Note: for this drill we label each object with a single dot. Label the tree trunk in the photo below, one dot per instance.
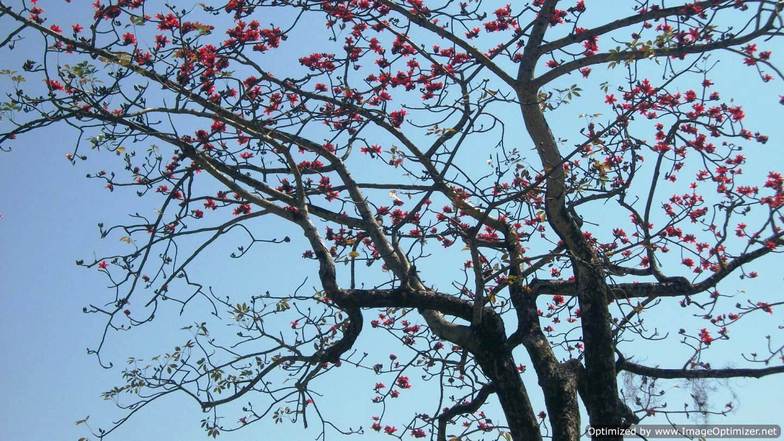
(499, 366)
(600, 391)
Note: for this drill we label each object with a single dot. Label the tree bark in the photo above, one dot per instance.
(499, 366)
(600, 394)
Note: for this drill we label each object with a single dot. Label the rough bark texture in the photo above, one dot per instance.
(601, 392)
(499, 366)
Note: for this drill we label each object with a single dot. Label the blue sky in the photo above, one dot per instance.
(49, 213)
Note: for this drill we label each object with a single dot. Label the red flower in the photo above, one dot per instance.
(397, 117)
(218, 126)
(55, 85)
(168, 21)
(160, 41)
(765, 307)
(473, 33)
(402, 382)
(242, 209)
(736, 113)
(418, 433)
(102, 265)
(705, 336)
(128, 38)
(373, 149)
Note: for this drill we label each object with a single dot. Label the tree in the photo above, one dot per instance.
(396, 150)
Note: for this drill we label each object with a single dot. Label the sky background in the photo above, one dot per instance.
(48, 218)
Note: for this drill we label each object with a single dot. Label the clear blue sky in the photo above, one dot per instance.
(49, 213)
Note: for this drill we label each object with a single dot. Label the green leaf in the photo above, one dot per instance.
(282, 305)
(240, 310)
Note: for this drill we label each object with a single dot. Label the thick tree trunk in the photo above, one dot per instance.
(600, 388)
(557, 380)
(559, 385)
(601, 385)
(499, 366)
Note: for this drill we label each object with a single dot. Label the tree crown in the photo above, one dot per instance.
(410, 156)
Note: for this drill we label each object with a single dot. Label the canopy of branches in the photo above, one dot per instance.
(437, 173)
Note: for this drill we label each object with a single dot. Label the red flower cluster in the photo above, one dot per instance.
(397, 117)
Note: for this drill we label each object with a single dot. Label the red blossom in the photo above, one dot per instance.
(242, 209)
(705, 336)
(397, 117)
(55, 85)
(418, 433)
(128, 38)
(765, 307)
(403, 382)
